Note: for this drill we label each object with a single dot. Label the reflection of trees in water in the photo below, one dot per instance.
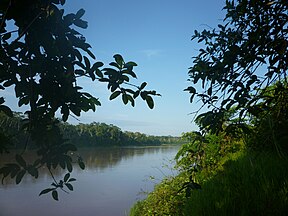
(102, 158)
(94, 158)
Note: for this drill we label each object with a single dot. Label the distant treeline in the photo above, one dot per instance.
(82, 135)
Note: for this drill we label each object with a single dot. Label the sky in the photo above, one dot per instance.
(156, 34)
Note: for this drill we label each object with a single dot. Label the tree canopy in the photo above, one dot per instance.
(42, 55)
(239, 61)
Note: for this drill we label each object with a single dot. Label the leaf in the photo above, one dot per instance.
(33, 171)
(46, 191)
(71, 180)
(55, 195)
(20, 176)
(79, 72)
(76, 110)
(136, 94)
(125, 78)
(6, 110)
(79, 13)
(8, 83)
(143, 85)
(69, 166)
(87, 63)
(99, 73)
(65, 112)
(124, 98)
(62, 164)
(80, 64)
(111, 72)
(66, 177)
(81, 164)
(81, 23)
(130, 98)
(114, 95)
(97, 65)
(69, 186)
(23, 100)
(114, 65)
(90, 53)
(130, 64)
(150, 102)
(209, 91)
(130, 72)
(20, 160)
(6, 36)
(119, 59)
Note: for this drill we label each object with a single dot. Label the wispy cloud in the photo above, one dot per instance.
(151, 52)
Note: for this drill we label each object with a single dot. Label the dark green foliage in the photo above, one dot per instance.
(198, 161)
(164, 200)
(65, 182)
(205, 152)
(254, 184)
(246, 53)
(41, 58)
(239, 157)
(83, 135)
(270, 120)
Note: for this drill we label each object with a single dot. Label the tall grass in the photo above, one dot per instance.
(251, 184)
(254, 184)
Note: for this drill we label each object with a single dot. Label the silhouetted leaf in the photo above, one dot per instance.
(71, 180)
(79, 13)
(119, 59)
(150, 102)
(69, 166)
(46, 191)
(143, 85)
(81, 164)
(66, 177)
(69, 186)
(87, 63)
(114, 95)
(124, 98)
(6, 110)
(20, 176)
(55, 195)
(81, 23)
(33, 172)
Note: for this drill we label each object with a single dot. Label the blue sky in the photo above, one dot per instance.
(156, 35)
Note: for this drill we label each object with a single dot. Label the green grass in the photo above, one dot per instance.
(164, 200)
(250, 184)
(254, 184)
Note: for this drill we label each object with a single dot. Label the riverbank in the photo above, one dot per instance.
(95, 134)
(243, 183)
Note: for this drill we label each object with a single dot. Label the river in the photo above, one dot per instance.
(114, 179)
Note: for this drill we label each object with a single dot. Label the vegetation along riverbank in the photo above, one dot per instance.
(94, 134)
(237, 163)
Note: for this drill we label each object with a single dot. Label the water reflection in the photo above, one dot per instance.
(100, 159)
(109, 185)
(97, 159)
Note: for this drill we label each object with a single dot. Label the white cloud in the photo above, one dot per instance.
(151, 52)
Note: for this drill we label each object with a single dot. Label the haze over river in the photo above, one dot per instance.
(114, 179)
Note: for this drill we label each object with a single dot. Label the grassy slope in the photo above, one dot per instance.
(253, 184)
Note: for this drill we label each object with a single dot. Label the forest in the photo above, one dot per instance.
(82, 135)
(235, 164)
